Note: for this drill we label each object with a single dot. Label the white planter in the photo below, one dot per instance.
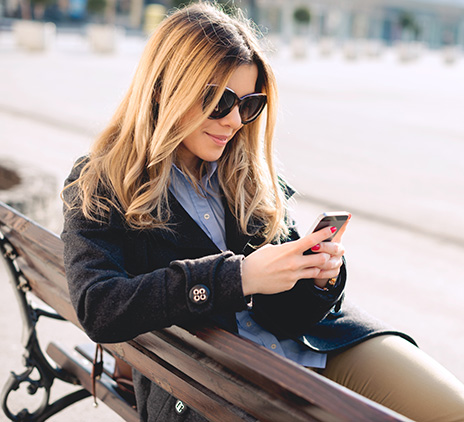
(34, 36)
(351, 50)
(375, 48)
(299, 47)
(326, 46)
(104, 38)
(450, 54)
(409, 51)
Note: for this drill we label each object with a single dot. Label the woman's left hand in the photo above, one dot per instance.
(335, 249)
(331, 268)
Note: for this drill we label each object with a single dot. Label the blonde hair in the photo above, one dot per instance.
(133, 156)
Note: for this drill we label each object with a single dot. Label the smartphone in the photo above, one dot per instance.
(333, 219)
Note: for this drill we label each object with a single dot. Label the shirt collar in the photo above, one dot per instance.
(211, 170)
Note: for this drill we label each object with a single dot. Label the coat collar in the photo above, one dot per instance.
(188, 235)
(236, 241)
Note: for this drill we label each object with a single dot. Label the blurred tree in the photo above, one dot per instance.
(102, 10)
(302, 15)
(406, 20)
(96, 7)
(302, 18)
(179, 3)
(409, 26)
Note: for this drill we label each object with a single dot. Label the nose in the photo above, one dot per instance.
(233, 119)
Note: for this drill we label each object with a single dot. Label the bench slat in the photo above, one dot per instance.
(278, 381)
(266, 369)
(268, 404)
(31, 231)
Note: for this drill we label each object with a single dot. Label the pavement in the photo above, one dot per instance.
(376, 137)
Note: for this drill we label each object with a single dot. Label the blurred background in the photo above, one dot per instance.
(370, 121)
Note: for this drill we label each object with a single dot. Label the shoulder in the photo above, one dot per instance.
(70, 191)
(103, 212)
(76, 170)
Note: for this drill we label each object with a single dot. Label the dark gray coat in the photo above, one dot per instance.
(125, 282)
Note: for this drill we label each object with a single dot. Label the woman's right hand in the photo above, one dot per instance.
(276, 268)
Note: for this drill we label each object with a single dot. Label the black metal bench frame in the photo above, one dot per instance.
(33, 357)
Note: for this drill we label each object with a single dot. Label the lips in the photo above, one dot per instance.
(220, 140)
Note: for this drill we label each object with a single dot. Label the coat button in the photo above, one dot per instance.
(180, 407)
(199, 294)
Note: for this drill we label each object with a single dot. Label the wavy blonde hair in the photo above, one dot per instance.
(133, 156)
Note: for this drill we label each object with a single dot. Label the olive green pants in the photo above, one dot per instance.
(393, 372)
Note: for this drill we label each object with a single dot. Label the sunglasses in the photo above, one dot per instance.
(249, 106)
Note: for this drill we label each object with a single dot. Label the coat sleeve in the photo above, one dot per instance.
(114, 306)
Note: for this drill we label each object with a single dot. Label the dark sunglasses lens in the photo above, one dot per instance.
(209, 95)
(251, 107)
(224, 105)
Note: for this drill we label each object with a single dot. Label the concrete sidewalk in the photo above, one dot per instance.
(52, 105)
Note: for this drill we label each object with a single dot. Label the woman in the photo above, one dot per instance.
(177, 214)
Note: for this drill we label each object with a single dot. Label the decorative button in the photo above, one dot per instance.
(206, 216)
(199, 294)
(180, 407)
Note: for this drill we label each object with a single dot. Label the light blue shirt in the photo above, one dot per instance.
(207, 211)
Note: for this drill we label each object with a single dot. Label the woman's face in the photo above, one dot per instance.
(208, 142)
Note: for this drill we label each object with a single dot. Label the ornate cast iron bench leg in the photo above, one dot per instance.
(39, 374)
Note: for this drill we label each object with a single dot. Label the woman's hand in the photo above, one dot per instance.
(336, 251)
(276, 268)
(332, 267)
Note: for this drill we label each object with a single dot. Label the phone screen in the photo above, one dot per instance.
(333, 219)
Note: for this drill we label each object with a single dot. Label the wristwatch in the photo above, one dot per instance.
(330, 284)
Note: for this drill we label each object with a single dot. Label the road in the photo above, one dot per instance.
(381, 139)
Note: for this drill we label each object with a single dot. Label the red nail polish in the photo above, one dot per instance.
(333, 229)
(316, 248)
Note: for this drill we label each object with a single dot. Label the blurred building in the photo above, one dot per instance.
(435, 23)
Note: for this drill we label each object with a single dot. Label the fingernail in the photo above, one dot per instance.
(333, 229)
(316, 248)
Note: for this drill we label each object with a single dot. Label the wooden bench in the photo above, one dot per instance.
(221, 375)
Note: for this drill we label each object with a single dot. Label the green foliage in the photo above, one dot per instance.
(407, 22)
(302, 15)
(96, 6)
(178, 4)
